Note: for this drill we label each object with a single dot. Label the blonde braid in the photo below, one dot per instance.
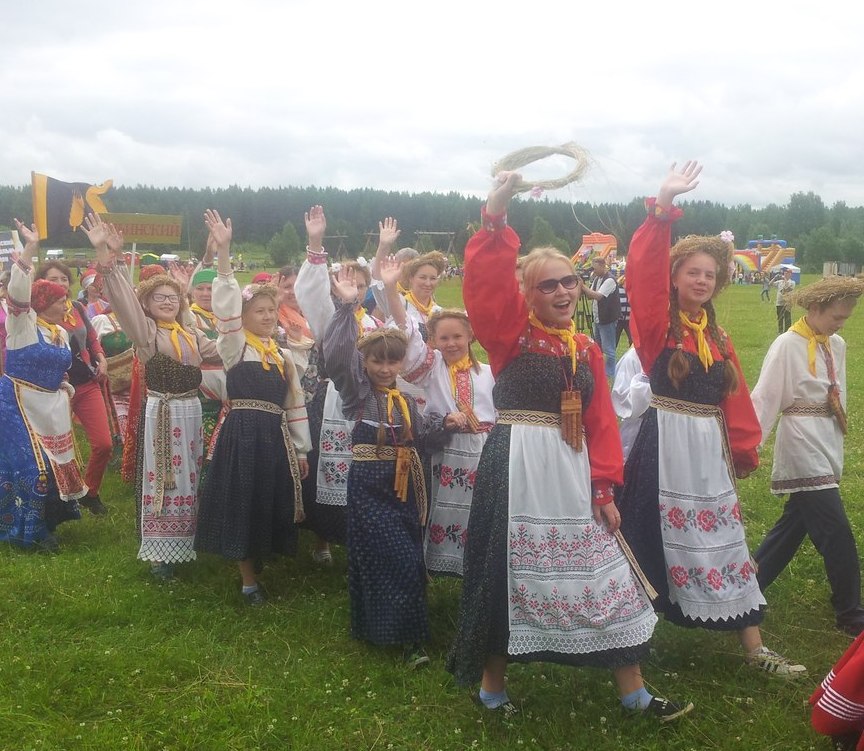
(679, 366)
(730, 374)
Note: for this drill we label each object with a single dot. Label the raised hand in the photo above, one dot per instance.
(180, 274)
(388, 233)
(678, 181)
(97, 232)
(220, 232)
(501, 193)
(389, 270)
(114, 240)
(344, 284)
(31, 241)
(316, 226)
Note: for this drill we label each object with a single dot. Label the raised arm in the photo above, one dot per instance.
(496, 308)
(312, 287)
(21, 322)
(647, 281)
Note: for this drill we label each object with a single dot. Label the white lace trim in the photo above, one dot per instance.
(581, 642)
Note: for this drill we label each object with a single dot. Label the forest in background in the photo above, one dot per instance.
(271, 220)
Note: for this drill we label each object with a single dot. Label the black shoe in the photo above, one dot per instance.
(47, 544)
(255, 599)
(851, 627)
(665, 710)
(93, 503)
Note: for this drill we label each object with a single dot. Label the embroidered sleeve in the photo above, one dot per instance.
(312, 289)
(227, 307)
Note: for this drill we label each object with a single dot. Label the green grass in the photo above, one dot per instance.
(96, 656)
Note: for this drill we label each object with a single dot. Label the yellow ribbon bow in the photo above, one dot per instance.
(698, 329)
(69, 314)
(56, 335)
(567, 336)
(359, 315)
(802, 328)
(208, 314)
(426, 310)
(395, 396)
(269, 352)
(176, 332)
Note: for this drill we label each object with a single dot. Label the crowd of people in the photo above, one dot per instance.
(342, 399)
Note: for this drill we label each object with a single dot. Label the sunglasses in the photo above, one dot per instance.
(159, 297)
(548, 286)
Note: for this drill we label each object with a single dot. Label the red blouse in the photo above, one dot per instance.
(647, 283)
(499, 317)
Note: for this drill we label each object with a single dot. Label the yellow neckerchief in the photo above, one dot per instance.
(268, 352)
(54, 328)
(459, 366)
(402, 290)
(208, 314)
(426, 310)
(394, 395)
(176, 332)
(698, 329)
(802, 328)
(567, 336)
(359, 315)
(68, 314)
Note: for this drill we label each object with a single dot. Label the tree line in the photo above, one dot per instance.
(272, 219)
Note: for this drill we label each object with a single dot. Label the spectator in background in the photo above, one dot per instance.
(603, 291)
(785, 287)
(624, 319)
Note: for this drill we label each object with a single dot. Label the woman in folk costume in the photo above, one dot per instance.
(120, 357)
(386, 491)
(682, 518)
(87, 374)
(458, 388)
(545, 578)
(40, 479)
(251, 498)
(170, 448)
(330, 460)
(420, 277)
(91, 286)
(803, 380)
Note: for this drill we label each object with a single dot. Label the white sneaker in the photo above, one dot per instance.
(774, 664)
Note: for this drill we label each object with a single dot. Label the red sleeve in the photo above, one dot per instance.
(495, 306)
(601, 427)
(647, 283)
(838, 703)
(742, 425)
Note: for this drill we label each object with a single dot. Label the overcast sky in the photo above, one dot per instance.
(425, 96)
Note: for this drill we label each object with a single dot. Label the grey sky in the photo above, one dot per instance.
(426, 96)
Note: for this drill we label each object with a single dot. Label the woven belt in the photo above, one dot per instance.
(164, 473)
(369, 452)
(685, 408)
(529, 417)
(274, 409)
(811, 409)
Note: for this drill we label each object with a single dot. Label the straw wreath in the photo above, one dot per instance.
(520, 158)
(827, 290)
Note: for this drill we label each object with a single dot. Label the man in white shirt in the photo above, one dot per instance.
(603, 291)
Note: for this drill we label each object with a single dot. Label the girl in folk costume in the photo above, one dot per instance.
(251, 498)
(39, 474)
(803, 380)
(170, 446)
(682, 518)
(330, 460)
(544, 575)
(420, 277)
(459, 389)
(386, 491)
(88, 372)
(291, 317)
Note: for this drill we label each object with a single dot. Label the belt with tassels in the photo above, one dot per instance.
(407, 463)
(164, 471)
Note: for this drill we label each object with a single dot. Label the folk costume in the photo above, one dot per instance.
(386, 575)
(40, 477)
(542, 580)
(799, 372)
(251, 498)
(461, 387)
(682, 518)
(120, 357)
(326, 488)
(170, 438)
(838, 702)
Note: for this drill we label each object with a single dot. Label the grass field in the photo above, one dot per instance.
(96, 656)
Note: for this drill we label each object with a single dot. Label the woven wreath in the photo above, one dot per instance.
(520, 158)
